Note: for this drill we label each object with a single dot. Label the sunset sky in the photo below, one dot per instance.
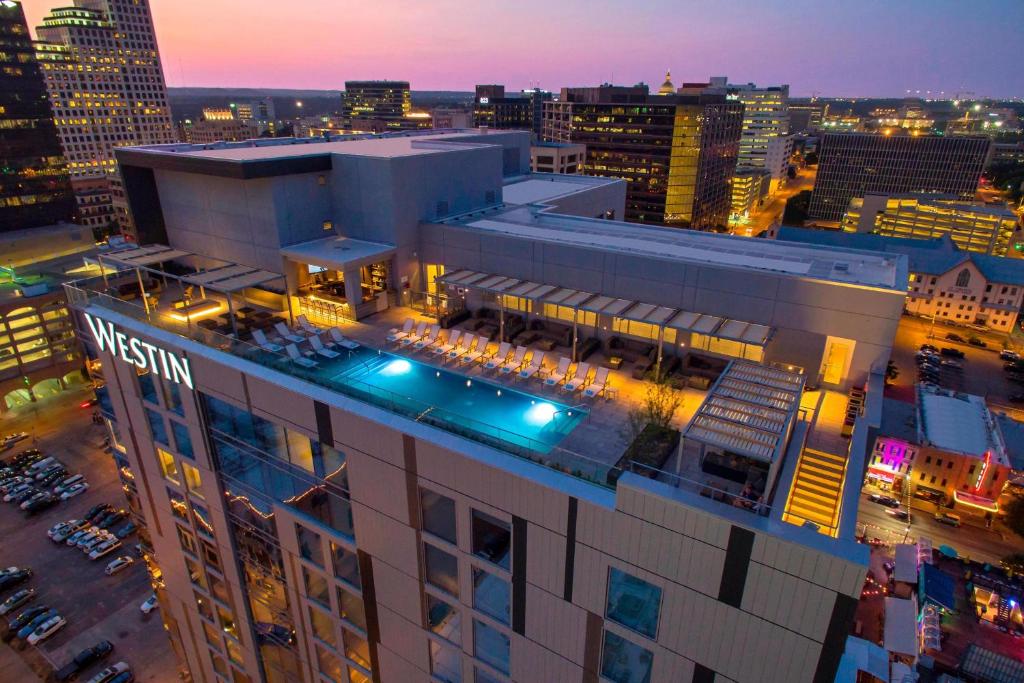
(833, 47)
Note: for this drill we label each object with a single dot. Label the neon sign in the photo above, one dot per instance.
(984, 468)
(141, 354)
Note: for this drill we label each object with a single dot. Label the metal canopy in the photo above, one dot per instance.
(144, 256)
(596, 304)
(212, 275)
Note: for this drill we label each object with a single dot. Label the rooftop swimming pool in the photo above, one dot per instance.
(478, 408)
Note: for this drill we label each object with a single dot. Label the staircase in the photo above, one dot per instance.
(817, 489)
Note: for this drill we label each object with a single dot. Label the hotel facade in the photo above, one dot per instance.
(382, 515)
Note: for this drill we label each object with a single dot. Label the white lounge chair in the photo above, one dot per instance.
(428, 339)
(264, 343)
(536, 363)
(341, 340)
(298, 358)
(558, 375)
(466, 344)
(305, 325)
(320, 349)
(397, 335)
(443, 347)
(284, 333)
(473, 355)
(499, 356)
(510, 366)
(578, 380)
(596, 386)
(413, 336)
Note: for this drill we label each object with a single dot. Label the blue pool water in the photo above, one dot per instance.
(476, 407)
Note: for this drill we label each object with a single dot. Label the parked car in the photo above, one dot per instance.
(12, 483)
(40, 465)
(98, 512)
(16, 491)
(9, 440)
(74, 490)
(150, 604)
(112, 519)
(25, 458)
(31, 626)
(1007, 354)
(947, 518)
(15, 579)
(952, 364)
(52, 478)
(93, 542)
(89, 536)
(951, 352)
(110, 673)
(35, 496)
(123, 677)
(976, 341)
(17, 600)
(74, 538)
(20, 621)
(927, 347)
(40, 504)
(20, 496)
(127, 530)
(120, 564)
(47, 629)
(954, 337)
(84, 659)
(105, 548)
(47, 473)
(881, 499)
(61, 531)
(68, 482)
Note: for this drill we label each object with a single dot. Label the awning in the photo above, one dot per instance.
(230, 278)
(530, 290)
(905, 570)
(143, 256)
(901, 626)
(687, 321)
(938, 587)
(338, 253)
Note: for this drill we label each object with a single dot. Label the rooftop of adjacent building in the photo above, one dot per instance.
(39, 260)
(958, 422)
(943, 202)
(933, 256)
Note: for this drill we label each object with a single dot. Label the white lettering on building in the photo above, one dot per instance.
(141, 354)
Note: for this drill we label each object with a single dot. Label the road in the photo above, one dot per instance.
(771, 211)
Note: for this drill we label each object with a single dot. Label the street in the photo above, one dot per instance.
(771, 211)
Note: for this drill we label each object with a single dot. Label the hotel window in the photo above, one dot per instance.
(491, 646)
(148, 388)
(633, 603)
(330, 666)
(201, 519)
(445, 663)
(323, 626)
(156, 426)
(172, 397)
(167, 466)
(625, 662)
(356, 648)
(182, 440)
(188, 543)
(441, 569)
(310, 545)
(492, 595)
(438, 515)
(178, 507)
(346, 565)
(316, 587)
(492, 539)
(482, 676)
(193, 482)
(350, 606)
(444, 620)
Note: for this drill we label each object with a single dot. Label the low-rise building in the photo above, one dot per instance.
(748, 188)
(557, 157)
(946, 283)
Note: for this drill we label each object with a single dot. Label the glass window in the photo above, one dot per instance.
(442, 569)
(201, 519)
(356, 648)
(491, 645)
(357, 676)
(310, 545)
(316, 587)
(188, 543)
(182, 440)
(219, 665)
(193, 482)
(330, 665)
(633, 603)
(156, 426)
(172, 397)
(195, 574)
(227, 621)
(438, 515)
(492, 539)
(219, 589)
(444, 620)
(346, 565)
(211, 557)
(234, 652)
(625, 662)
(482, 676)
(205, 608)
(178, 507)
(445, 663)
(323, 626)
(491, 594)
(212, 636)
(351, 607)
(167, 466)
(147, 388)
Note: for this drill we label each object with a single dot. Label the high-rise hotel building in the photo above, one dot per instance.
(765, 144)
(677, 153)
(369, 504)
(855, 164)
(106, 84)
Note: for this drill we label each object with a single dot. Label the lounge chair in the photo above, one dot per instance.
(298, 358)
(413, 336)
(499, 356)
(305, 325)
(578, 380)
(284, 333)
(510, 366)
(465, 345)
(596, 386)
(428, 339)
(397, 335)
(341, 340)
(473, 355)
(536, 363)
(442, 348)
(320, 349)
(559, 373)
(264, 343)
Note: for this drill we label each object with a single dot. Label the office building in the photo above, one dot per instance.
(749, 188)
(523, 111)
(806, 117)
(95, 204)
(556, 157)
(973, 226)
(946, 283)
(446, 118)
(379, 106)
(219, 124)
(676, 152)
(303, 525)
(777, 161)
(34, 186)
(765, 118)
(854, 164)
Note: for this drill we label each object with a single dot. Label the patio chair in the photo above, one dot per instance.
(475, 354)
(284, 333)
(596, 386)
(510, 366)
(426, 340)
(320, 349)
(499, 356)
(559, 373)
(397, 335)
(341, 340)
(536, 363)
(442, 348)
(304, 324)
(298, 358)
(413, 336)
(264, 343)
(578, 380)
(466, 344)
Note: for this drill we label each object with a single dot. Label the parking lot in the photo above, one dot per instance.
(96, 606)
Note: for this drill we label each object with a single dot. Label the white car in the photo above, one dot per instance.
(15, 491)
(98, 540)
(104, 548)
(109, 672)
(89, 536)
(11, 439)
(119, 564)
(59, 526)
(33, 498)
(150, 604)
(68, 482)
(70, 527)
(74, 490)
(47, 629)
(74, 538)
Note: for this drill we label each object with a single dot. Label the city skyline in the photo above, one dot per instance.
(916, 46)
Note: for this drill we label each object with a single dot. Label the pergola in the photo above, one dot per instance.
(660, 317)
(219, 276)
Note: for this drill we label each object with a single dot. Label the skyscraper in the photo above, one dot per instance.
(854, 164)
(34, 186)
(677, 152)
(377, 106)
(105, 81)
